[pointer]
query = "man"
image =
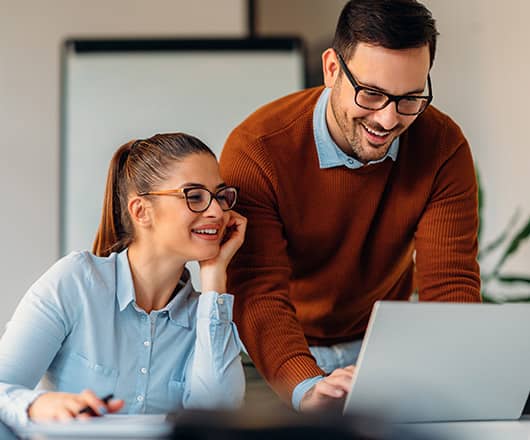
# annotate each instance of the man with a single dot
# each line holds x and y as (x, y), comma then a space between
(341, 187)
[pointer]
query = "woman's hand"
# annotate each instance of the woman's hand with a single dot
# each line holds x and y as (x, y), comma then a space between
(213, 271)
(329, 394)
(66, 406)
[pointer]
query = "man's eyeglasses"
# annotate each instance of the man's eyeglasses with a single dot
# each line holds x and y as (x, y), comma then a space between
(200, 199)
(373, 99)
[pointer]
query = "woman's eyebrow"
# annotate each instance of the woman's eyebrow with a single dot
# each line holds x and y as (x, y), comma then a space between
(193, 185)
(200, 185)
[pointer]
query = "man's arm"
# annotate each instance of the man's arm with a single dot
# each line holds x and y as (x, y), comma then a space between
(446, 237)
(260, 272)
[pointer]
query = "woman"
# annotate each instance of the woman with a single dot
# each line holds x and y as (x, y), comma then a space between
(125, 319)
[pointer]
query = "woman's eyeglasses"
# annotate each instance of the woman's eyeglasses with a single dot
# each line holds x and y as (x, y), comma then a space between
(200, 199)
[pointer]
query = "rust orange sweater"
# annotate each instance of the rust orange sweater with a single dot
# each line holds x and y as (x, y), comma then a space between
(323, 245)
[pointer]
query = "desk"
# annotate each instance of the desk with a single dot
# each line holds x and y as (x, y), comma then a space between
(155, 426)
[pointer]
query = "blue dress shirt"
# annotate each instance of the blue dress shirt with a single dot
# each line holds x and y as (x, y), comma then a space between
(330, 156)
(79, 327)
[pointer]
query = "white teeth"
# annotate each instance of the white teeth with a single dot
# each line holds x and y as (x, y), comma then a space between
(377, 133)
(206, 231)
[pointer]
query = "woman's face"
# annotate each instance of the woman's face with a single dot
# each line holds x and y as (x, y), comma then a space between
(175, 228)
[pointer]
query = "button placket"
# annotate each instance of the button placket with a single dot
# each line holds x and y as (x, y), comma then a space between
(144, 361)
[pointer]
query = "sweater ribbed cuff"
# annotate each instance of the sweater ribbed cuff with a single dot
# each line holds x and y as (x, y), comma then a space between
(292, 372)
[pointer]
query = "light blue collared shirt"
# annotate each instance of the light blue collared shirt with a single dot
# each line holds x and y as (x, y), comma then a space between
(330, 156)
(79, 327)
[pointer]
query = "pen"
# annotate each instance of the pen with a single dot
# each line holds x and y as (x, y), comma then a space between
(90, 411)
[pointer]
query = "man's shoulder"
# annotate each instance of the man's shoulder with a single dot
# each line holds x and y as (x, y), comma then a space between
(435, 133)
(280, 115)
(434, 123)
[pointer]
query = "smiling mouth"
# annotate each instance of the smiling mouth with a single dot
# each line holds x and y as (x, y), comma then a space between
(376, 135)
(206, 231)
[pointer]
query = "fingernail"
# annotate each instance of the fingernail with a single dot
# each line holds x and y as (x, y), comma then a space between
(102, 410)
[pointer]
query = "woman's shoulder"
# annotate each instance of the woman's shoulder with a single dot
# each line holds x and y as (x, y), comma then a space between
(76, 273)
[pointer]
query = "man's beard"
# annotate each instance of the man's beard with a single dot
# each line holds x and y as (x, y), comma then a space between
(353, 133)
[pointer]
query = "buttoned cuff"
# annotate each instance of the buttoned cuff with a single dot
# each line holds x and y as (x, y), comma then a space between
(18, 402)
(215, 306)
(302, 388)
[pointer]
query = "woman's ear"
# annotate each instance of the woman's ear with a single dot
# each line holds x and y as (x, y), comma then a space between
(140, 211)
(330, 67)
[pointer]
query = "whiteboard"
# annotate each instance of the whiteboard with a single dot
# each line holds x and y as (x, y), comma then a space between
(117, 90)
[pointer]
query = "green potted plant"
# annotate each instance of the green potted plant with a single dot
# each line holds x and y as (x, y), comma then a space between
(505, 245)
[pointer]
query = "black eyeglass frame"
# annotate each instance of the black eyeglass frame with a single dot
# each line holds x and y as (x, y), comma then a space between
(390, 98)
(183, 192)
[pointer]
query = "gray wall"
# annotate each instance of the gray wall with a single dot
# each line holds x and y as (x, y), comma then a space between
(31, 32)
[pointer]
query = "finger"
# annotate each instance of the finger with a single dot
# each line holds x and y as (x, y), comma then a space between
(93, 402)
(327, 390)
(350, 368)
(74, 404)
(237, 219)
(64, 414)
(341, 375)
(340, 381)
(342, 372)
(115, 405)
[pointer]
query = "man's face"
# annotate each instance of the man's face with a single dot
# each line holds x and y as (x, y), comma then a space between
(368, 134)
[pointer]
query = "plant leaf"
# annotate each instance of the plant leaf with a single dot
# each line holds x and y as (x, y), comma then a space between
(514, 279)
(521, 236)
(502, 237)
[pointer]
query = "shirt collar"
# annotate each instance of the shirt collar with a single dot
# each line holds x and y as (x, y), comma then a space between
(329, 154)
(177, 308)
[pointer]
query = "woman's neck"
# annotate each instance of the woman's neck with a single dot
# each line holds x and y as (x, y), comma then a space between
(155, 276)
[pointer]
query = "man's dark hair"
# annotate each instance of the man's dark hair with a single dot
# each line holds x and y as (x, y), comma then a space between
(393, 24)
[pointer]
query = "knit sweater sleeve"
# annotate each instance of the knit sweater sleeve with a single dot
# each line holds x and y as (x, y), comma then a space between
(446, 236)
(259, 274)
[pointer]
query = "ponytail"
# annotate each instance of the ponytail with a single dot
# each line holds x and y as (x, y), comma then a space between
(112, 234)
(137, 167)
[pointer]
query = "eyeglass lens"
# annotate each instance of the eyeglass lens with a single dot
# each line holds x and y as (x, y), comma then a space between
(374, 101)
(199, 199)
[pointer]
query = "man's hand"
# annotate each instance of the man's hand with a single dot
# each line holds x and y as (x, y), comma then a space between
(65, 406)
(329, 394)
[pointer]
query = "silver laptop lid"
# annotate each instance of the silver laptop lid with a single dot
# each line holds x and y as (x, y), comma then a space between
(423, 362)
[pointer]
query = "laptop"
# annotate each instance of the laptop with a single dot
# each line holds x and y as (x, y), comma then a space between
(435, 362)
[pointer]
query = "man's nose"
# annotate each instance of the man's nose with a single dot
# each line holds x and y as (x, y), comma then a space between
(387, 117)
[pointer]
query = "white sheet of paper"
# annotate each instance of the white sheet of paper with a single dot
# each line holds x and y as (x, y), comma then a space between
(109, 426)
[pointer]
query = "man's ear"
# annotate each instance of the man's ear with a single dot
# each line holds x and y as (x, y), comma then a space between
(140, 211)
(330, 67)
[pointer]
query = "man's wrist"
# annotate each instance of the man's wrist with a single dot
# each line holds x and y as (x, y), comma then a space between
(301, 389)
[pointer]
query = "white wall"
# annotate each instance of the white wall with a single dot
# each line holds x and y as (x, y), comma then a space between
(480, 78)
(31, 32)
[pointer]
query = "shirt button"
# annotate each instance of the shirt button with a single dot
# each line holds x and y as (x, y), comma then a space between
(140, 398)
(350, 161)
(143, 370)
(220, 301)
(147, 343)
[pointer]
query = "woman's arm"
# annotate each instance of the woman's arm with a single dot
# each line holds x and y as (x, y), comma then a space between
(42, 321)
(215, 377)
(28, 346)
